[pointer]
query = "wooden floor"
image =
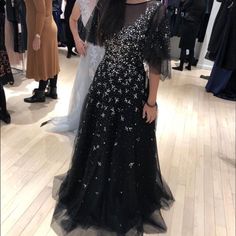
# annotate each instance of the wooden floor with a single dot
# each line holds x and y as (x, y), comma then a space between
(196, 141)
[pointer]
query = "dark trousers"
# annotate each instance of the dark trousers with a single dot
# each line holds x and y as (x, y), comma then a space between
(70, 43)
(57, 19)
(184, 56)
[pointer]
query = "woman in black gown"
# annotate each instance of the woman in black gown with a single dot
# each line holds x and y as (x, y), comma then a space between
(114, 186)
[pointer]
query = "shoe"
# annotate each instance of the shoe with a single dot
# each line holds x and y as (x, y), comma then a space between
(45, 123)
(51, 92)
(69, 54)
(38, 96)
(180, 68)
(5, 117)
(188, 67)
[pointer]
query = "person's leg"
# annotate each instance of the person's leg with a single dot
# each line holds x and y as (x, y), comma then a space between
(190, 59)
(52, 88)
(182, 59)
(42, 85)
(53, 82)
(68, 39)
(4, 115)
(38, 94)
(57, 19)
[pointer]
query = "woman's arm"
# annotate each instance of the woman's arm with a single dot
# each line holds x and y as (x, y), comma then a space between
(75, 15)
(40, 7)
(154, 79)
(150, 108)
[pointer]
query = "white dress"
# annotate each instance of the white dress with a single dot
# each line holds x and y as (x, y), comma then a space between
(85, 74)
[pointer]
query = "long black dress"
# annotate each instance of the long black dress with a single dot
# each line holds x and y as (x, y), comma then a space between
(114, 186)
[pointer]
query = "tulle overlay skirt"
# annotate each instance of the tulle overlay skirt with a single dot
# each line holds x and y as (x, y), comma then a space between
(114, 185)
(85, 74)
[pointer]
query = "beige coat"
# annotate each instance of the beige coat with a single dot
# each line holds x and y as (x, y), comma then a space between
(44, 63)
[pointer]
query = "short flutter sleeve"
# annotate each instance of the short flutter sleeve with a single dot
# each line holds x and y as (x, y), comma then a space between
(157, 48)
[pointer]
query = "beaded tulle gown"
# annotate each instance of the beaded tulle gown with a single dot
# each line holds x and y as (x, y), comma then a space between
(114, 186)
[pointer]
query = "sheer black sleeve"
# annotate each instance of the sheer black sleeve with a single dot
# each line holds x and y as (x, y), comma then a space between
(157, 49)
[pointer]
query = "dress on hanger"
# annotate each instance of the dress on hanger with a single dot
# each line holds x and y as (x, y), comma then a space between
(114, 186)
(16, 14)
(222, 81)
(6, 76)
(5, 67)
(86, 70)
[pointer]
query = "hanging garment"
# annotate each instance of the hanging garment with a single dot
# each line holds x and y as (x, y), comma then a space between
(222, 82)
(217, 36)
(6, 76)
(227, 58)
(85, 74)
(218, 80)
(16, 14)
(203, 28)
(229, 92)
(114, 186)
(205, 21)
(174, 3)
(44, 63)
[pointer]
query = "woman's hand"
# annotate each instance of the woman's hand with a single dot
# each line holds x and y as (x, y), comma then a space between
(150, 113)
(36, 43)
(80, 46)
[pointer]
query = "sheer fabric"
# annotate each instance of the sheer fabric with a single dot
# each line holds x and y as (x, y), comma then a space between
(84, 77)
(114, 186)
(156, 50)
(86, 8)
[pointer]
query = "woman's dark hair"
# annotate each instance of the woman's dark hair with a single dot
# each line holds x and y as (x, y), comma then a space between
(111, 21)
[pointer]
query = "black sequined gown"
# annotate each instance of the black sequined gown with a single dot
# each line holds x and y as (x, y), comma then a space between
(114, 185)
